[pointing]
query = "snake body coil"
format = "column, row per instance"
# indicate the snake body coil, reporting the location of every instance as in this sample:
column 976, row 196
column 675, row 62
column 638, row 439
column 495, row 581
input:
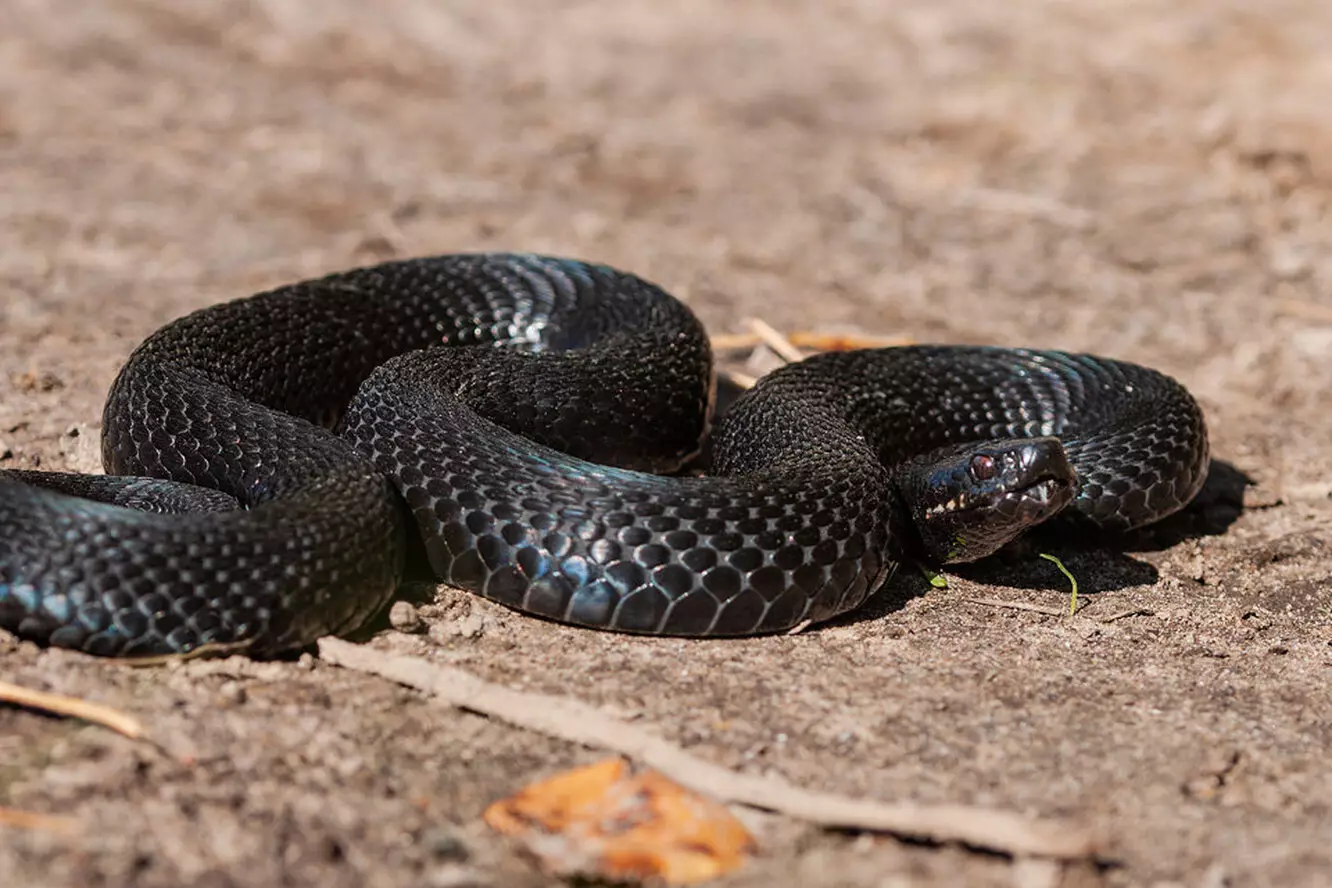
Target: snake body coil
column 521, row 407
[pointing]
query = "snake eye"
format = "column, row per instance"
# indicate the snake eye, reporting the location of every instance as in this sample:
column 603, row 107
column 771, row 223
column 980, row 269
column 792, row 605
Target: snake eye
column 982, row 467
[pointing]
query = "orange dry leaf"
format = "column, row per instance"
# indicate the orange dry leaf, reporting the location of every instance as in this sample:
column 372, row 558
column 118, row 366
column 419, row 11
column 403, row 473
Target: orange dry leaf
column 603, row 820
column 844, row 341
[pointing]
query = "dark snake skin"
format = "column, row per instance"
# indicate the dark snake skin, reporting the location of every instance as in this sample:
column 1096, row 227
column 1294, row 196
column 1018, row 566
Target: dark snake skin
column 304, row 433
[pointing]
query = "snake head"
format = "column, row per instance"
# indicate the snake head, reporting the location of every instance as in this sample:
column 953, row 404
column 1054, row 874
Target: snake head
column 969, row 500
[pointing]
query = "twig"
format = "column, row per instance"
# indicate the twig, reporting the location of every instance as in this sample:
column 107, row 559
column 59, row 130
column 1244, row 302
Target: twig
column 1019, row 605
column 17, row 819
column 734, row 341
column 741, row 380
column 1031, row 872
column 810, row 340
column 72, row 707
column 1305, row 310
column 1131, row 612
column 577, row 722
column 1017, row 203
column 845, row 341
column 776, row 341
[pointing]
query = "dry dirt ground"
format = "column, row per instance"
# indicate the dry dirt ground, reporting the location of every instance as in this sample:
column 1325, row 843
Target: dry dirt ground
column 1146, row 179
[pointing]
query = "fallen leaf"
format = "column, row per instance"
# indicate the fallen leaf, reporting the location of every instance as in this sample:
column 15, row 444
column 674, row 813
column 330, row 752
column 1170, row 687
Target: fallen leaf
column 607, row 821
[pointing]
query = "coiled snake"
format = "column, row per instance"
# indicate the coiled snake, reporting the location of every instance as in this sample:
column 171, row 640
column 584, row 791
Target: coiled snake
column 270, row 457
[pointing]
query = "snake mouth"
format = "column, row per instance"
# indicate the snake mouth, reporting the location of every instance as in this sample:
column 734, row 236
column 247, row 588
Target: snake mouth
column 1031, row 502
column 1047, row 485
column 1028, row 482
column 1035, row 502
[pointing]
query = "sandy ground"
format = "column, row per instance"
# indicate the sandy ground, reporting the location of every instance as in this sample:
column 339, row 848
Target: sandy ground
column 1147, row 179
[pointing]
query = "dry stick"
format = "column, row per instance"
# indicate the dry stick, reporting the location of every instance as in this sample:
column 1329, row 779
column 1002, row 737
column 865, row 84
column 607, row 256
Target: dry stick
column 788, row 347
column 1020, row 204
column 768, row 335
column 577, row 722
column 776, row 341
column 31, row 820
column 741, row 380
column 809, row 339
column 845, row 341
column 1034, row 872
column 72, row 707
column 1019, row 605
column 1305, row 311
column 734, row 341
column 1131, row 612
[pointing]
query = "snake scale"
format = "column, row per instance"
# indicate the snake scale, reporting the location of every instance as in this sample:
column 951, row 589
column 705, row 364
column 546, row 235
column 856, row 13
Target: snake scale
column 522, row 421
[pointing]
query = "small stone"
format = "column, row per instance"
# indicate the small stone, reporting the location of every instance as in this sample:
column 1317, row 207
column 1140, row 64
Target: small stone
column 472, row 626
column 1287, row 260
column 404, row 617
column 32, row 381
column 468, row 626
column 1197, row 570
column 82, row 450
column 233, row 693
column 453, row 875
column 1260, row 496
column 1258, row 618
column 445, row 844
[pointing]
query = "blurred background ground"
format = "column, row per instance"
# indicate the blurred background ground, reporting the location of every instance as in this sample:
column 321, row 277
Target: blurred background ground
column 1145, row 179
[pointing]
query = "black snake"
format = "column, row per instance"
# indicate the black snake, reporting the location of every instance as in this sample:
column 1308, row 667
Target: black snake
column 520, row 416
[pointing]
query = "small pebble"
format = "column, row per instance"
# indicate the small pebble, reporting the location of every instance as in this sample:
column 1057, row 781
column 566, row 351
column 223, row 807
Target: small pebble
column 33, row 381
column 83, row 450
column 469, row 626
column 453, row 875
column 445, row 844
column 404, row 617
column 233, row 693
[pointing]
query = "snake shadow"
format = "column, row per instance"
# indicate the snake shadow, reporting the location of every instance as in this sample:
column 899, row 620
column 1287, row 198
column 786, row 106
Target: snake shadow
column 1101, row 562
